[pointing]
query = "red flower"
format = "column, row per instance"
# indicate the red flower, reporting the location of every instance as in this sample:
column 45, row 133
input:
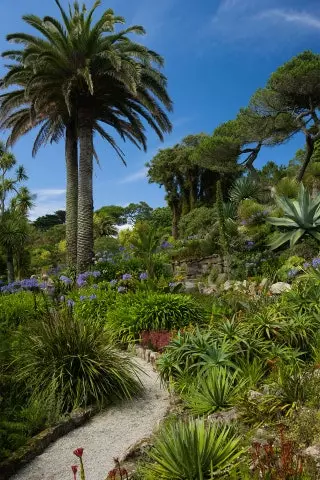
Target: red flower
column 74, row 468
column 78, row 452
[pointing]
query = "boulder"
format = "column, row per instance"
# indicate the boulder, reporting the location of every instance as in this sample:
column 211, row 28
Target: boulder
column 280, row 287
column 225, row 417
column 227, row 285
column 253, row 395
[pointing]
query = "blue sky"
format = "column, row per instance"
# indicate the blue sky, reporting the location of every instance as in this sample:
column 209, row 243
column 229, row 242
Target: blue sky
column 217, row 53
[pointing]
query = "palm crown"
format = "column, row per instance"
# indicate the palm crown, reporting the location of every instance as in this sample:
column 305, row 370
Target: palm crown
column 86, row 74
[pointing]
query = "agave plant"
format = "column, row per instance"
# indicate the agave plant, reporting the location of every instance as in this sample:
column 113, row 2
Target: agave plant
column 301, row 216
column 243, row 188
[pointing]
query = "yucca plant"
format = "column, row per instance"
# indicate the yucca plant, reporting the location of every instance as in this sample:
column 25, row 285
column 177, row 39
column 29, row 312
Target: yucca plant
column 301, row 217
column 243, row 188
column 75, row 360
column 215, row 391
column 192, row 451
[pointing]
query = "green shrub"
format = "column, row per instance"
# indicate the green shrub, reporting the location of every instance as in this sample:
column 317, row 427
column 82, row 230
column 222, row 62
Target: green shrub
column 20, row 308
column 197, row 222
column 215, row 391
column 133, row 314
column 75, row 360
column 192, row 352
column 252, row 212
column 191, row 450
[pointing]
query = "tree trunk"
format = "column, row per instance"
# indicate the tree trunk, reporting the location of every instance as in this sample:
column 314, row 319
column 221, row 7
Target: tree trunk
column 307, row 158
column 175, row 220
column 10, row 267
column 85, row 194
column 71, row 194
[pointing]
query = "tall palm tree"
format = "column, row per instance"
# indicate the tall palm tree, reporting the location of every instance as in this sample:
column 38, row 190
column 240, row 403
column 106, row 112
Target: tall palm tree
column 98, row 77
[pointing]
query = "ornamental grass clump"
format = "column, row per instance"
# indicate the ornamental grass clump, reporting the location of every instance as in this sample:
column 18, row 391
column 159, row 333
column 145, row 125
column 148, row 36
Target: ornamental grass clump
column 75, row 359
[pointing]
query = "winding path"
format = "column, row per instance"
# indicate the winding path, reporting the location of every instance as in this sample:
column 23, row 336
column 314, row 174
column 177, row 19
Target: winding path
column 107, row 435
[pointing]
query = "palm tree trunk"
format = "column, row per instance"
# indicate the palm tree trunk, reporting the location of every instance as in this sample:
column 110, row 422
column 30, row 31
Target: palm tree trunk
column 85, row 194
column 10, row 267
column 71, row 194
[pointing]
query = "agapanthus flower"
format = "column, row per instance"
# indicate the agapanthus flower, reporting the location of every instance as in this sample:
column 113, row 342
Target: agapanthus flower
column 121, row 289
column 65, row 280
column 29, row 283
column 126, row 276
column 293, row 272
column 172, row 284
column 70, row 303
column 165, row 244
column 143, row 276
column 82, row 297
column 306, row 265
column 316, row 262
column 113, row 282
column 96, row 274
column 92, row 297
column 62, row 298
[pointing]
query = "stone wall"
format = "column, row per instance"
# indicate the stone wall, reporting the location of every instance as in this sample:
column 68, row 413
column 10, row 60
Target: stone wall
column 198, row 268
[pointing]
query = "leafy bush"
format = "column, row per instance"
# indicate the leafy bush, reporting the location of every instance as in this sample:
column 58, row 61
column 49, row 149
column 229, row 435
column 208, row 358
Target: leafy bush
column 252, row 212
column 197, row 222
column 191, row 450
column 75, row 360
column 133, row 314
column 20, row 308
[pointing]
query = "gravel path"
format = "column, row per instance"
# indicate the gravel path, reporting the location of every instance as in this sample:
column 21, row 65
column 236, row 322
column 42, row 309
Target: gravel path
column 109, row 434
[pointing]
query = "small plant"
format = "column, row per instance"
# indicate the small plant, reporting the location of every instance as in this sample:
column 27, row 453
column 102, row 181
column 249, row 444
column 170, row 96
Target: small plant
column 117, row 473
column 192, row 450
column 274, row 462
column 215, row 391
column 156, row 340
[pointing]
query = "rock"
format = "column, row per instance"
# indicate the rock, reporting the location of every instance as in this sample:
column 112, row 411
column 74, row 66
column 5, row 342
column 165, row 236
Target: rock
column 253, row 395
column 313, row 453
column 245, row 283
column 264, row 282
column 280, row 287
column 147, row 354
column 154, row 357
column 226, row 416
column 252, row 288
column 237, row 286
column 140, row 352
column 227, row 285
column 191, row 286
column 263, row 436
column 209, row 290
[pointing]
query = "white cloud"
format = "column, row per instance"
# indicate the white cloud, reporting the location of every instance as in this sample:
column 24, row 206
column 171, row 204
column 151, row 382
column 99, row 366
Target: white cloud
column 135, row 177
column 303, row 18
column 48, row 201
column 269, row 22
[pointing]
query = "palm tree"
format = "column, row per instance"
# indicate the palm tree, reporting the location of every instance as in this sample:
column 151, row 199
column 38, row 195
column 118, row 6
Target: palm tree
column 84, row 73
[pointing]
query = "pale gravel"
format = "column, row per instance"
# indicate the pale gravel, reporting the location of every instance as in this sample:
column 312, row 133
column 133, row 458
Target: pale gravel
column 107, row 435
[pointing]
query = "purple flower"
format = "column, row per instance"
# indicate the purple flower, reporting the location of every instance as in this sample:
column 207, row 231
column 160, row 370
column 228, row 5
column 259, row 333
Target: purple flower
column 166, row 244
column 121, row 289
column 143, row 276
column 250, row 243
column 65, row 280
column 70, row 303
column 29, row 283
column 293, row 272
column 316, row 262
column 121, row 249
column 82, row 297
column 92, row 297
column 113, row 282
column 306, row 265
column 94, row 285
column 172, row 284
column 126, row 276
column 96, row 274
column 62, row 298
